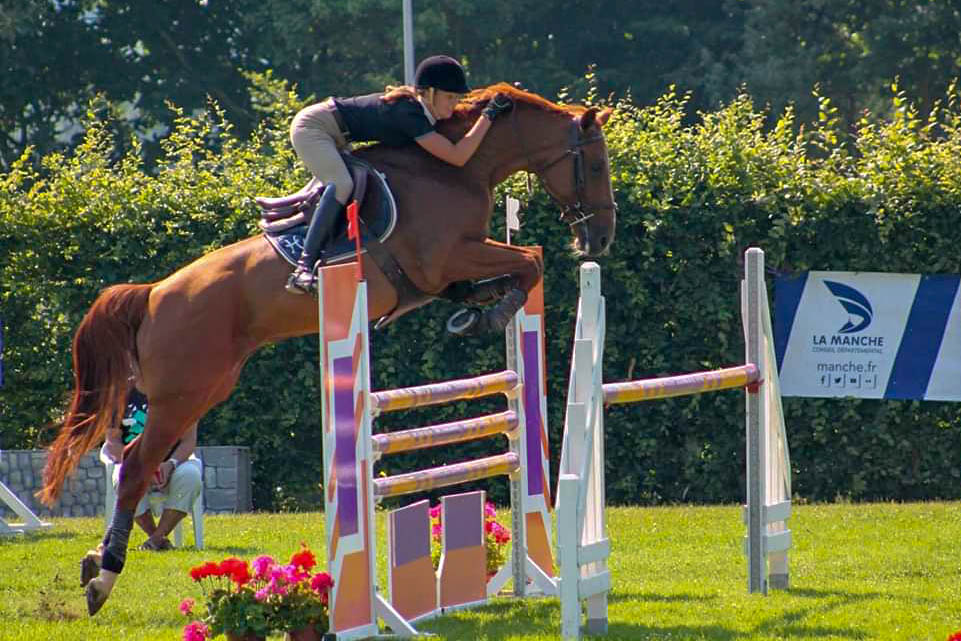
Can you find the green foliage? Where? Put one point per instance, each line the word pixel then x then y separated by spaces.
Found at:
pixel 692 197
pixel 58 54
pixel 237 612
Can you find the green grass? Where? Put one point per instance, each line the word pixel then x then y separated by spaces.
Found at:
pixel 880 571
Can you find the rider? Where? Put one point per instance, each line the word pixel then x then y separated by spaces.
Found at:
pixel 396 117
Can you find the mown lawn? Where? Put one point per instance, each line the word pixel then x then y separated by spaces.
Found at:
pixel 879 571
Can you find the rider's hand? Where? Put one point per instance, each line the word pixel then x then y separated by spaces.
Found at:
pixel 498 104
pixel 114 450
pixel 163 474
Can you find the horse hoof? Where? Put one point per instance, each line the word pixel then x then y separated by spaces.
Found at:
pixel 89 568
pixel 464 322
pixel 96 596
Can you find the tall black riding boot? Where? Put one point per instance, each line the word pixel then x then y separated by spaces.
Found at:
pixel 321 228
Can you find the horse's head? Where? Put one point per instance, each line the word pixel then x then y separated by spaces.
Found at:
pixel 578 179
pixel 565 147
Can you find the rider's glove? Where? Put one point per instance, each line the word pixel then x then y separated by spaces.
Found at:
pixel 499 104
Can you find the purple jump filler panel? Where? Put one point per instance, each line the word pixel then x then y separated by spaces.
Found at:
pixel 345 453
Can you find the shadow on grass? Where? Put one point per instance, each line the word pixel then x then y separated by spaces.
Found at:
pixel 506 618
pixel 790 624
pixel 649 597
pixel 236 550
pixel 39 535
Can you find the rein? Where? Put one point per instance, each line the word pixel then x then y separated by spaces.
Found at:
pixel 579 211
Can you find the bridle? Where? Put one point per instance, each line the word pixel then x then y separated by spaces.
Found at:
pixel 579 211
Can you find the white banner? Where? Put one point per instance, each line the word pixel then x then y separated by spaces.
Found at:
pixel 868 335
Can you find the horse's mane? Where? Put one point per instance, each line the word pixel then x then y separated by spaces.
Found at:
pixel 472 104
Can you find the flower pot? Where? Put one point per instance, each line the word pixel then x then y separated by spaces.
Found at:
pixel 236 636
pixel 309 633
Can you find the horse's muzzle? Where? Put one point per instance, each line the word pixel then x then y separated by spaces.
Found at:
pixel 595 234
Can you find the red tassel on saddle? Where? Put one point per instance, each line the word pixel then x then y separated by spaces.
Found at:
pixel 353 233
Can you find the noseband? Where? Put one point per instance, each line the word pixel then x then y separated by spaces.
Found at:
pixel 579 211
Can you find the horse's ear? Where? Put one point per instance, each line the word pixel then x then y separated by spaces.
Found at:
pixel 587 118
pixel 603 116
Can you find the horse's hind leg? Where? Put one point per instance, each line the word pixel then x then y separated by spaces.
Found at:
pixel 481 292
pixel 167 420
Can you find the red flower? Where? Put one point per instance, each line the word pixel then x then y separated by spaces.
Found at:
pixel 240 575
pixel 321 583
pixel 499 532
pixel 236 569
pixel 955 637
pixel 203 571
pixel 304 559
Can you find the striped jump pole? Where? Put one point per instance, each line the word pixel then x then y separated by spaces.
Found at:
pixel 438 393
pixel 683 385
pixel 446 434
pixel 435 477
pixel 351 488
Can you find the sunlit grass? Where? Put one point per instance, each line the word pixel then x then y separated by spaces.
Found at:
pixel 880 571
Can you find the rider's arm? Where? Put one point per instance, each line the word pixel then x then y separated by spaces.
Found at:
pixel 187 445
pixel 460 152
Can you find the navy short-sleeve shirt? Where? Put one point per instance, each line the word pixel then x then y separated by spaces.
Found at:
pixel 371 119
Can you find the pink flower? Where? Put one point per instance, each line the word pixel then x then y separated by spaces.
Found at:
pixel 489 510
pixel 436 531
pixel 278 579
pixel 261 594
pixel 262 566
pixel 434 512
pixel 196 631
pixel 293 574
pixel 186 607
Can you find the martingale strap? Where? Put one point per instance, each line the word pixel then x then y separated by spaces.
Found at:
pixel 409 295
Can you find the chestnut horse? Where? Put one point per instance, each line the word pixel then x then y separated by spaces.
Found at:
pixel 186 337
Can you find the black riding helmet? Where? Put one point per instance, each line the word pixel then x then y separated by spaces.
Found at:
pixel 441 72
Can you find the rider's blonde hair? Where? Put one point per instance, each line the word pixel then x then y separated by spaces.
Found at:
pixel 394 93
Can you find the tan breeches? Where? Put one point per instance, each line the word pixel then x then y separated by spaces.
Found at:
pixel 317 140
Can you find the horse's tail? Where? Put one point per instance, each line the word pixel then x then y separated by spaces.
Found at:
pixel 104 347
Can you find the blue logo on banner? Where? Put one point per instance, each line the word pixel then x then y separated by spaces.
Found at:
pixel 854 303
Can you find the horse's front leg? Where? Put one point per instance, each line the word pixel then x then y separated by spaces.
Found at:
pixel 167 421
pixel 513 271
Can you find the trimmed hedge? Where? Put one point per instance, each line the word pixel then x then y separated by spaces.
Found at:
pixel 883 198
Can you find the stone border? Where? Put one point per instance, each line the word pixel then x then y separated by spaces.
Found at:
pixel 227 482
